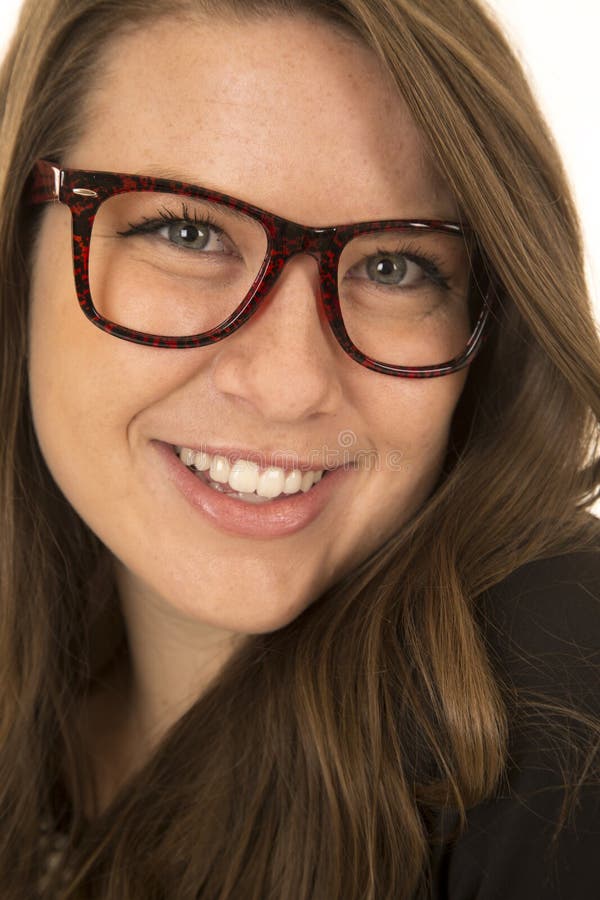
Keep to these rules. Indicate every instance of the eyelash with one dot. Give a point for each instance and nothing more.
(432, 266)
(167, 216)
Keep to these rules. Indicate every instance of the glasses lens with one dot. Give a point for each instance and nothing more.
(404, 296)
(169, 264)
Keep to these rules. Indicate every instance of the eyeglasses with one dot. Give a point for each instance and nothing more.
(173, 265)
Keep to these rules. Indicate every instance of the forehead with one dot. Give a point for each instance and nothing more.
(285, 112)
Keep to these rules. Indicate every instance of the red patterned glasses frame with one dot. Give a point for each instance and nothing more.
(84, 192)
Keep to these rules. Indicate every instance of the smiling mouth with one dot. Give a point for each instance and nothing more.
(245, 480)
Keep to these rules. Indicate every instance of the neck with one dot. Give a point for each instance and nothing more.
(163, 668)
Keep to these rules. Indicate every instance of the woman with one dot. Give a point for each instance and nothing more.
(298, 582)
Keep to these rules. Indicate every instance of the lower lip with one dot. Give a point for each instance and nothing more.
(280, 517)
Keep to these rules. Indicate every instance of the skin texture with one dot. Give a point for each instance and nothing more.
(311, 131)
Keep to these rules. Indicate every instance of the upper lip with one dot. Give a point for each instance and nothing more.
(281, 459)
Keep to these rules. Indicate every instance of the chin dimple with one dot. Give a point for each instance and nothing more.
(245, 478)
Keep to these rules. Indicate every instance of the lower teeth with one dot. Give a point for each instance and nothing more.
(249, 498)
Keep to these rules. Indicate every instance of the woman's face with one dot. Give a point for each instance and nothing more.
(292, 117)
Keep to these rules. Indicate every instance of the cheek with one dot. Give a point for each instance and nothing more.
(55, 365)
(403, 427)
(409, 419)
(411, 425)
(86, 387)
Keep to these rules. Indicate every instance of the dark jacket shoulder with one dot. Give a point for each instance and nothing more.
(533, 840)
(542, 628)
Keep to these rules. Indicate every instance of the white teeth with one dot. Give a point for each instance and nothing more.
(201, 461)
(220, 469)
(292, 482)
(246, 478)
(307, 481)
(187, 456)
(270, 483)
(243, 476)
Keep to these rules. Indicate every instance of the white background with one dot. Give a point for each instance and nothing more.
(558, 41)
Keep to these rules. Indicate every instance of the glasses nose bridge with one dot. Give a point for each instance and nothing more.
(304, 239)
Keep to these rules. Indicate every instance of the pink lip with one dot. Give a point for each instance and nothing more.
(280, 517)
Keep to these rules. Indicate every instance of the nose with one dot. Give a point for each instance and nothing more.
(284, 361)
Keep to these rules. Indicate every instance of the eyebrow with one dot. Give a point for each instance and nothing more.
(168, 174)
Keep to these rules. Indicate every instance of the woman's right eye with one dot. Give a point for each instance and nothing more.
(182, 233)
(193, 236)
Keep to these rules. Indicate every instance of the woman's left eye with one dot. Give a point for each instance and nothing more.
(391, 269)
(193, 236)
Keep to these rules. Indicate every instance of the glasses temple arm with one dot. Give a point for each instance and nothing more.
(45, 183)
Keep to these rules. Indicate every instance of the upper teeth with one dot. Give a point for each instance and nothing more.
(247, 477)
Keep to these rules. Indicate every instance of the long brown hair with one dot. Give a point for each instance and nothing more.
(313, 765)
